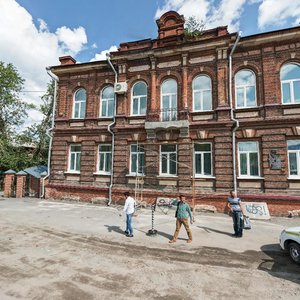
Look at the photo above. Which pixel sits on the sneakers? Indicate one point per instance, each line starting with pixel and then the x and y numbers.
pixel 129 235
pixel 172 241
pixel 126 232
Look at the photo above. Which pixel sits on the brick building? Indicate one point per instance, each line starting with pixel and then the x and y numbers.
pixel 181 105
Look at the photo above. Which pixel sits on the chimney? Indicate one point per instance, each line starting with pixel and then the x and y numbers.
pixel 67 60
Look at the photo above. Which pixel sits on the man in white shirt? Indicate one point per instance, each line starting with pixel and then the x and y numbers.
pixel 129 210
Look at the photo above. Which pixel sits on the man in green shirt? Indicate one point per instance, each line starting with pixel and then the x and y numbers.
pixel 182 215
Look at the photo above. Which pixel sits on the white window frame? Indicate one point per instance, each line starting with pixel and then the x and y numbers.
pixel 291 85
pixel 168 161
pixel 201 95
pixel 245 91
pixel 75 158
pixel 169 95
pixel 137 153
pixel 297 152
pixel 248 160
pixel 139 100
pixel 80 104
pixel 103 172
pixel 106 100
pixel 202 175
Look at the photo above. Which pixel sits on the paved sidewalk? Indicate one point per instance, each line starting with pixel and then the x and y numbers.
pixel 209 230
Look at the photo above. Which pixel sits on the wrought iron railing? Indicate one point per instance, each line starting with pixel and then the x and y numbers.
pixel 167 115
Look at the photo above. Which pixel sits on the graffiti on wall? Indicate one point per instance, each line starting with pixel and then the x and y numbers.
pixel 256 210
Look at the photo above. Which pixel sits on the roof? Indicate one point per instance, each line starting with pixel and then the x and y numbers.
pixel 36 171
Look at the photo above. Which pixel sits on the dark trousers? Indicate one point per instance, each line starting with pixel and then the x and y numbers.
pixel 237 217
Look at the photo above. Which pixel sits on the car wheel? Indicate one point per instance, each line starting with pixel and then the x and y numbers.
pixel 294 250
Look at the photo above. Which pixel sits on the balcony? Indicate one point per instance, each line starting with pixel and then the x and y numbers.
pixel 167 119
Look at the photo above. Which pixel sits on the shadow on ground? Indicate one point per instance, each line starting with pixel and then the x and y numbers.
pixel 207 229
pixel 279 264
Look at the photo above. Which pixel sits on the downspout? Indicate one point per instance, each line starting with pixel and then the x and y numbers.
pixel 112 134
pixel 236 126
pixel 49 133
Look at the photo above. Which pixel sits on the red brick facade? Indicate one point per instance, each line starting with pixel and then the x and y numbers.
pixel 173 56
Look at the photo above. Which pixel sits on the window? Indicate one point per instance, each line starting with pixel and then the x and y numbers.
pixel 169 100
pixel 245 90
pixel 79 104
pixel 75 154
pixel 202 99
pixel 248 159
pixel 139 99
pixel 104 159
pixel 203 159
pixel 168 160
pixel 137 159
pixel 290 83
pixel 294 158
pixel 107 102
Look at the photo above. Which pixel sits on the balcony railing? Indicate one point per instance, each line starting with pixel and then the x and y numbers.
pixel 167 115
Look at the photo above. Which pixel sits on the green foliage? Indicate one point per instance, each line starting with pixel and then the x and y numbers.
pixel 30 147
pixel 193 28
pixel 13 111
pixel 36 134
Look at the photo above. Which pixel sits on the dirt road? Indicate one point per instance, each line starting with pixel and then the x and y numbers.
pixel 43 263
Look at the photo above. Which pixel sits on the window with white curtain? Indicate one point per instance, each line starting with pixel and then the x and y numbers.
pixel 290 83
pixel 248 159
pixel 79 104
pixel 139 99
pixel 245 89
pixel 107 102
pixel 202 96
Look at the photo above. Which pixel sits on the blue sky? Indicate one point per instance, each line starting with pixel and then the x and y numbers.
pixel 34 33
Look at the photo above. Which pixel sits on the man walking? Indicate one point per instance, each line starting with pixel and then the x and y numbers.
pixel 182 215
pixel 129 210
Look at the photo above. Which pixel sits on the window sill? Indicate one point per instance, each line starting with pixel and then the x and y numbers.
pixel 72 173
pixel 167 176
pixel 294 178
pixel 135 175
pixel 204 177
pixel 101 174
pixel 251 178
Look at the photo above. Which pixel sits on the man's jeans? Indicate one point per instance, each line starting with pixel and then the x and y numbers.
pixel 237 217
pixel 128 223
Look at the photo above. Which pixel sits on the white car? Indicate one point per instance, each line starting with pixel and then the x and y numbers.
pixel 290 240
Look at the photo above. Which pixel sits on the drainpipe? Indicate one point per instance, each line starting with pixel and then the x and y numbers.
pixel 236 126
pixel 111 132
pixel 55 78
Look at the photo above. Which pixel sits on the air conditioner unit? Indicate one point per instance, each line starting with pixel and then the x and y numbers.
pixel 120 87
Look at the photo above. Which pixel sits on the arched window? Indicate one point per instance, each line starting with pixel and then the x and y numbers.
pixel 245 89
pixel 79 104
pixel 107 102
pixel 139 99
pixel 290 83
pixel 202 99
pixel 169 100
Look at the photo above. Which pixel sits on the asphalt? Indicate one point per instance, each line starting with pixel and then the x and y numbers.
pixel 211 230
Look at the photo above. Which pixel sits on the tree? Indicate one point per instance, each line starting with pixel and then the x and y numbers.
pixel 37 134
pixel 13 111
pixel 193 27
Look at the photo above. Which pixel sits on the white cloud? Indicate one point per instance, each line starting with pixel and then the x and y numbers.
pixel 31 49
pixel 227 12
pixel 94 46
pixel 73 40
pixel 102 54
pixel 274 12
